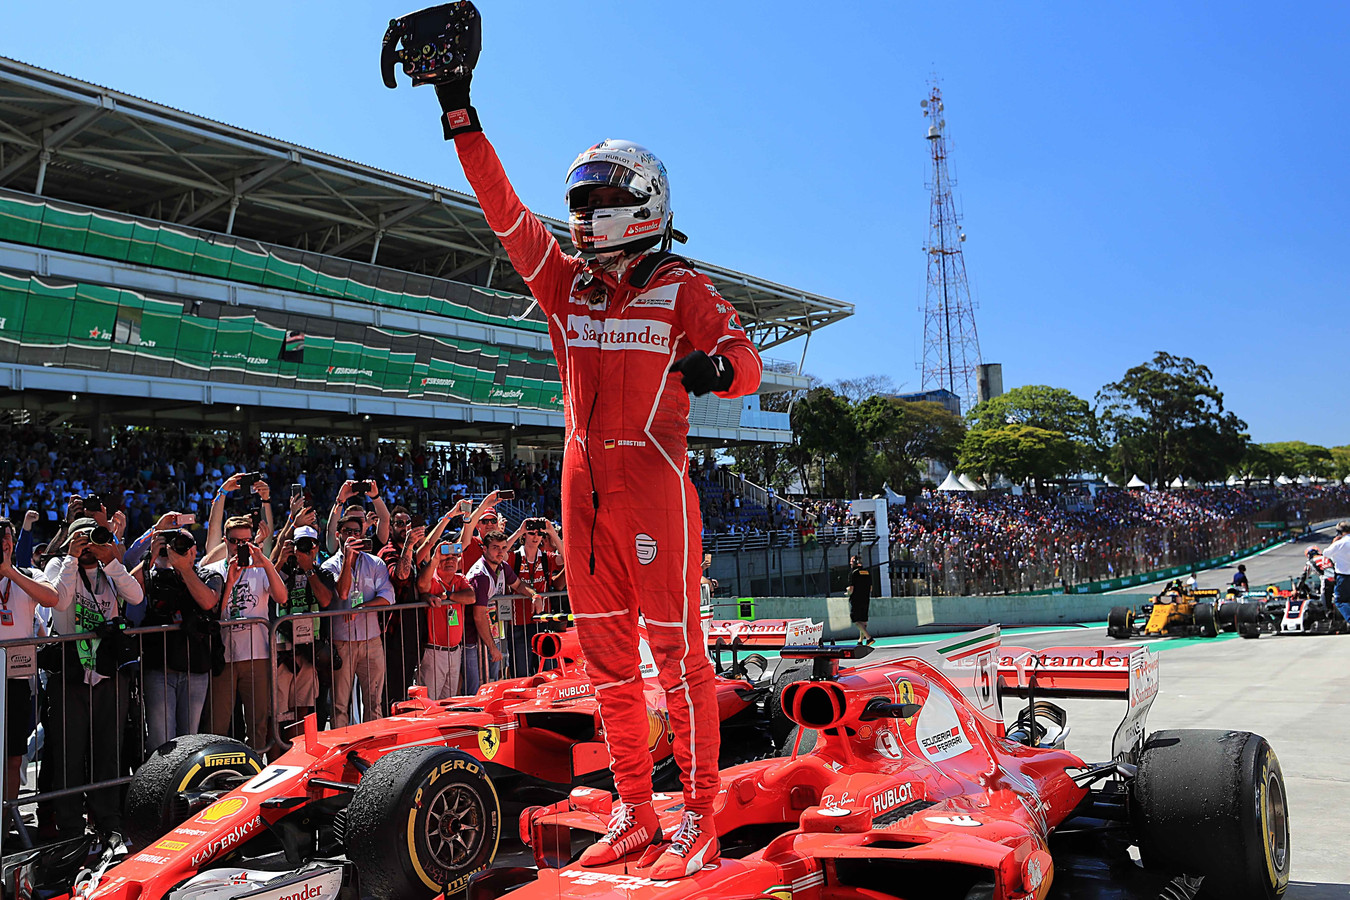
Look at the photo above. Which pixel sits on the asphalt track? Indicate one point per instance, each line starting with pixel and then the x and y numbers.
pixel 1292 690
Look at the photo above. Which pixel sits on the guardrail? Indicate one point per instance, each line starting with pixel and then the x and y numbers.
pixel 261 677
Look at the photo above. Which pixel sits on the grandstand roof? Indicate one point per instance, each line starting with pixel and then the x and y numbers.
pixel 77 141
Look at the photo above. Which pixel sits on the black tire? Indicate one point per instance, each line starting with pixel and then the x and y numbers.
pixel 422 821
pixel 1118 623
pixel 1204 620
pixel 751 668
pixel 810 737
pixel 779 723
pixel 1212 803
pixel 155 798
pixel 1226 615
pixel 1249 617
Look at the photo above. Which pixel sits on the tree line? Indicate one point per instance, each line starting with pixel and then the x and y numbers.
pixel 1163 419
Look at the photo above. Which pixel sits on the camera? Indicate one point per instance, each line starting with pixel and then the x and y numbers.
pixel 535 524
pixel 101 535
pixel 248 479
pixel 242 556
pixel 179 542
pixel 93 504
pixel 440 44
pixel 361 487
pixel 506 495
pixel 297 490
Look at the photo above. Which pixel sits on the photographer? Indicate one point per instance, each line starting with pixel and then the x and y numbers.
pixel 449 594
pixel 176 662
pixel 21 592
pixel 542 569
pixel 302 646
pixel 261 528
pixel 88 695
pixel 349 490
pixel 404 632
pixel 362 581
pixel 250 582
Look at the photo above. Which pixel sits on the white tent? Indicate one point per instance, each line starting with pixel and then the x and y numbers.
pixel 892 497
pixel 952 483
pixel 1283 479
pixel 1192 483
pixel 1233 481
pixel 1137 482
pixel 1108 482
pixel 1304 480
pixel 970 483
pixel 1177 482
pixel 1001 483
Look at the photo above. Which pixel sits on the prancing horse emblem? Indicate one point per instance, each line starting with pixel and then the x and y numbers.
pixel 489 741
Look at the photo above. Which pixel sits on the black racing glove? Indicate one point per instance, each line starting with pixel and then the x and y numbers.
pixel 703 373
pixel 457 115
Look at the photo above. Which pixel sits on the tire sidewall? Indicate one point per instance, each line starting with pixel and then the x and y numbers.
pixel 179 765
pixel 1259 759
pixel 455 773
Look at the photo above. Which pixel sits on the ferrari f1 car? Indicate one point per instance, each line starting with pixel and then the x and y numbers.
pixel 406 806
pixel 916 789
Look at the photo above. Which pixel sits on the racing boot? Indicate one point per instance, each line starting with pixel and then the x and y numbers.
pixel 693 847
pixel 632 829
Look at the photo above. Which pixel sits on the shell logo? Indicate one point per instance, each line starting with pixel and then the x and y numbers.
pixel 221 809
pixel 655 725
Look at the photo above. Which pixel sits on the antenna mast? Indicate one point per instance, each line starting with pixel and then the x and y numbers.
pixel 951 346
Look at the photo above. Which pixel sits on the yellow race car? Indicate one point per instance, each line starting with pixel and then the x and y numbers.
pixel 1176 611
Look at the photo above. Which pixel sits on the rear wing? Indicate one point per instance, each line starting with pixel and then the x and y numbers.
pixel 764 634
pixel 1130 673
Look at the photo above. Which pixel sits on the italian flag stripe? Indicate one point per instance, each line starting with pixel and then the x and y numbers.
pixel 970 646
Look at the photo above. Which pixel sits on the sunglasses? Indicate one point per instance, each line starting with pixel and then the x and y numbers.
pixel 232 541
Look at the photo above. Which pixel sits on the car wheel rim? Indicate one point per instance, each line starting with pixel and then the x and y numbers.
pixel 1277 822
pixel 456 821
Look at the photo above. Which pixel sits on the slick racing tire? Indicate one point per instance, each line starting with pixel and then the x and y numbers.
pixel 1118 623
pixel 1249 617
pixel 751 668
pixel 163 790
pixel 1213 803
pixel 810 737
pixel 423 820
pixel 788 673
pixel 1227 613
pixel 1204 620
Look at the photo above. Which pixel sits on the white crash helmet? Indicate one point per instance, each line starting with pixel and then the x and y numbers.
pixel 626 165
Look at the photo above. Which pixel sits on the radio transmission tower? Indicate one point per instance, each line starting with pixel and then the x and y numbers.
pixel 951 347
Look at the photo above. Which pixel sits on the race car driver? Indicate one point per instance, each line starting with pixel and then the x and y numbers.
pixel 634 331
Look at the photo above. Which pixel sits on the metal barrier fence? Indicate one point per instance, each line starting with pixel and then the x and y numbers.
pixel 260 679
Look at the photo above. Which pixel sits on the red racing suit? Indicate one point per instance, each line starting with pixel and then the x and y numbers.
pixel 629 510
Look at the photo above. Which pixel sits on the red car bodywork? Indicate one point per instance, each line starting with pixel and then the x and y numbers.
pixel 515 726
pixel 914 782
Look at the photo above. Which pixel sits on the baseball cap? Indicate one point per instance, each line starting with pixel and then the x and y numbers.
pixel 489 513
pixel 304 531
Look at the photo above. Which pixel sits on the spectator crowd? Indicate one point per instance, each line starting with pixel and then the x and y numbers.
pixel 170 586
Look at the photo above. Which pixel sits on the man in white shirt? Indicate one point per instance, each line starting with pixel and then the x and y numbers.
pixel 1339 554
pixel 89 695
pixel 21 591
pixel 362 581
pixel 250 580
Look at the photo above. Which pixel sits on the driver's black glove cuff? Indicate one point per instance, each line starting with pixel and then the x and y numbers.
pixel 457 114
pixel 703 373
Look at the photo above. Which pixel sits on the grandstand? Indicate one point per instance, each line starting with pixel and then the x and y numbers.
pixel 158 267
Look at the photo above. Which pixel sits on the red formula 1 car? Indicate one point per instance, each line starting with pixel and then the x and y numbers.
pixel 406 806
pixel 916 789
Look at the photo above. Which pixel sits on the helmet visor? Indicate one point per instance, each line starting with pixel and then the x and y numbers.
pixel 587 177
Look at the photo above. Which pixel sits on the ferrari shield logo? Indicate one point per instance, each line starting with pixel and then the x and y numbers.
pixel 489 741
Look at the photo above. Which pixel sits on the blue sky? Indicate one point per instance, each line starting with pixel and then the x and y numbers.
pixel 1133 177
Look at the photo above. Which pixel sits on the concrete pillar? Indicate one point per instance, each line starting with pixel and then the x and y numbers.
pixel 508 445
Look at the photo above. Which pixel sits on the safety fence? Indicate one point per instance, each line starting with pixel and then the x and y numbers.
pixel 89 708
